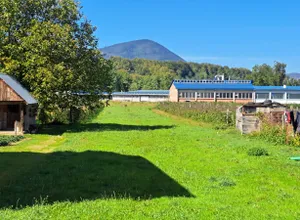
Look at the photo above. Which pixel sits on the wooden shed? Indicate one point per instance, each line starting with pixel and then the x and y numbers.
pixel 247 120
pixel 17 107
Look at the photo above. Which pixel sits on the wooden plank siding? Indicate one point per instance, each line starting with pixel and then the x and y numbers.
pixel 7 94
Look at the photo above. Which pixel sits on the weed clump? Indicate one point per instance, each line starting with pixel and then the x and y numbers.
pixel 258 152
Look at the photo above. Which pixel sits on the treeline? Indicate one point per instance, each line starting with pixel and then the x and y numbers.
pixel 148 74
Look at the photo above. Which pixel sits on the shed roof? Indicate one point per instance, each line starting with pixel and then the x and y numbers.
pixel 18 88
pixel 266 104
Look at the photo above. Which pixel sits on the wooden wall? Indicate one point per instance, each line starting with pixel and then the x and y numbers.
pixel 8 94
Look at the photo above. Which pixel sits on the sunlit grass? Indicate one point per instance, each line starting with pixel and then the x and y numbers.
pixel 132 163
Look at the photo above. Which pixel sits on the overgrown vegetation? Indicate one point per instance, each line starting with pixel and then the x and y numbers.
pixel 222 115
pixel 5 140
pixel 271 133
pixel 75 115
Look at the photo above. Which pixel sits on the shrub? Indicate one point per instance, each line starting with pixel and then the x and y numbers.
pixel 256 151
pixel 271 133
pixel 6 140
pixel 295 141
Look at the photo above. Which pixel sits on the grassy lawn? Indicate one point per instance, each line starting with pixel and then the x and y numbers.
pixel 133 163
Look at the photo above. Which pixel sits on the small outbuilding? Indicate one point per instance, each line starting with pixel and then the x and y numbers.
pixel 17 107
pixel 247 120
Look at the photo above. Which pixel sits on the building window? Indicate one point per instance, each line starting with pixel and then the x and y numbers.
pixel 243 95
pixel 293 96
pixel 223 95
pixel 262 96
pixel 277 95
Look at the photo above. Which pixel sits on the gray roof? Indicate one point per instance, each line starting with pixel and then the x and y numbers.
pixel 18 88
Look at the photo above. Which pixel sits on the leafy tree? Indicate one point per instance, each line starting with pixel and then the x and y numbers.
pixel 266 75
pixel 280 72
pixel 51 49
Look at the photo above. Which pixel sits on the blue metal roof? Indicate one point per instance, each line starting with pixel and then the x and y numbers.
pixel 144 92
pixel 18 88
pixel 228 85
pixel 277 88
pixel 213 86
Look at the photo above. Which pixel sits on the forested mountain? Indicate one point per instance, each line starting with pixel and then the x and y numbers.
pixel 145 49
pixel 148 74
pixel 294 75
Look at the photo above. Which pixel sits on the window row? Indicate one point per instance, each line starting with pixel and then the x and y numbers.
pixel 265 96
pixel 219 95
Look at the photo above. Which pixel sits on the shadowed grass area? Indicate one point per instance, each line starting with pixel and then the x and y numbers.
pixel 132 163
pixel 60 129
pixel 69 176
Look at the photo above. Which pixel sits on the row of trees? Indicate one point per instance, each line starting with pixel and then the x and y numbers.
pixel 146 74
pixel 50 47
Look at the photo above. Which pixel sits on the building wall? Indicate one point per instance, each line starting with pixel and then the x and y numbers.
pixel 174 96
pixel 8 94
pixel 215 96
pixel 140 98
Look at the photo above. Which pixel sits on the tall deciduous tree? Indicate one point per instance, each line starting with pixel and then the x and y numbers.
pixel 51 48
pixel 280 72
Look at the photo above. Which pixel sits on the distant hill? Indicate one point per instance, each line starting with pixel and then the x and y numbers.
pixel 144 49
pixel 294 75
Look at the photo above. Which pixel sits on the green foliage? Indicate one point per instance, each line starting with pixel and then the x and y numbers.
pixel 203 111
pixel 50 48
pixel 265 75
pixel 296 141
pixel 148 74
pixel 5 140
pixel 62 116
pixel 271 133
pixel 258 152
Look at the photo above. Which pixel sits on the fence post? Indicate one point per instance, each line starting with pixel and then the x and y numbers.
pixel 227 116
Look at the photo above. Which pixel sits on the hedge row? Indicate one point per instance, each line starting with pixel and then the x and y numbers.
pixel 6 140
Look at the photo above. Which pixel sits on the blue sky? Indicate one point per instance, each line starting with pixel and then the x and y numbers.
pixel 227 32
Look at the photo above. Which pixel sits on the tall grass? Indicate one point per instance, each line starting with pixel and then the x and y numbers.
pixel 217 113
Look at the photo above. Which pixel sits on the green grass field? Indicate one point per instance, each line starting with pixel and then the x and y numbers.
pixel 132 162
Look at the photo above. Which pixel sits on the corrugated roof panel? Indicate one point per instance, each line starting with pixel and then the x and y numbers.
pixel 18 88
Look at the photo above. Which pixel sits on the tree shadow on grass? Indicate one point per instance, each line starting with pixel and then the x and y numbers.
pixel 60 129
pixel 90 175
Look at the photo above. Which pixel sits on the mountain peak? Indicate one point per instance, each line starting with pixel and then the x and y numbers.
pixel 144 49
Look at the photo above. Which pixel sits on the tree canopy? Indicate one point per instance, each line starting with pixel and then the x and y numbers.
pixel 147 74
pixel 50 47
